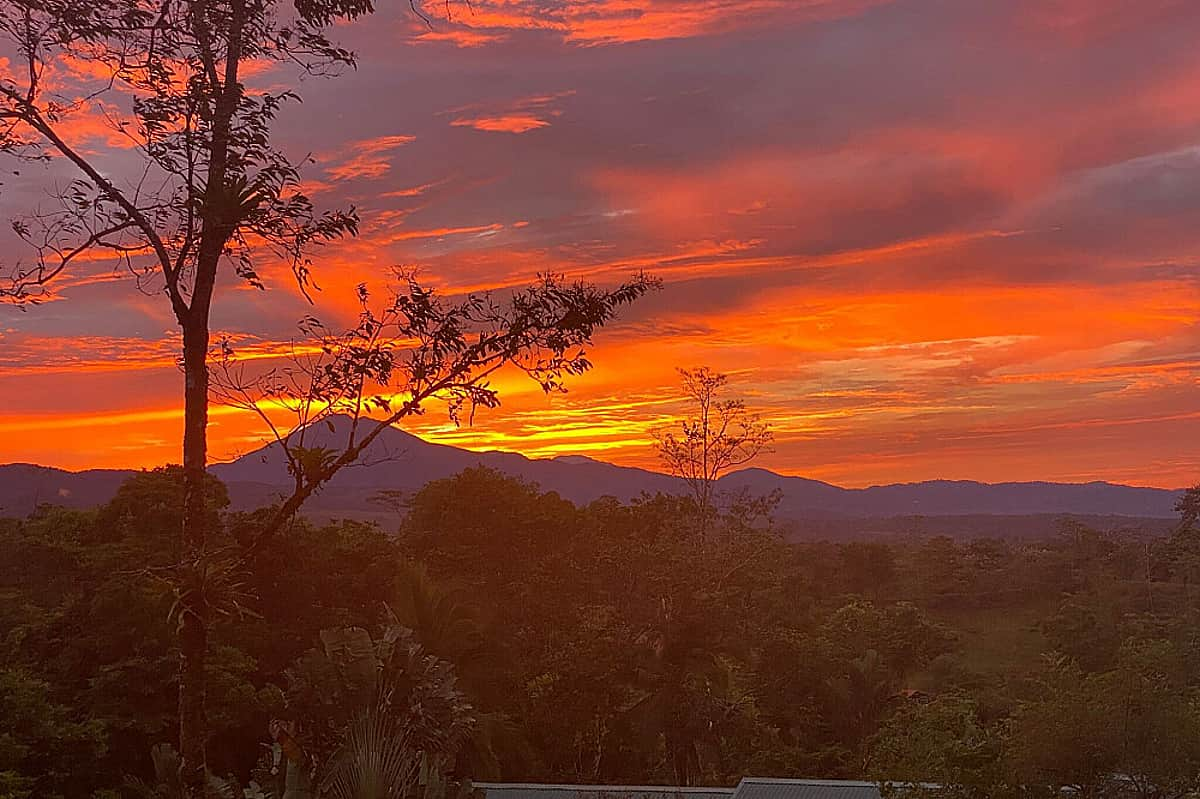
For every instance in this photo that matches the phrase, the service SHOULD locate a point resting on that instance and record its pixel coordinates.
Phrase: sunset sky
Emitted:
(925, 238)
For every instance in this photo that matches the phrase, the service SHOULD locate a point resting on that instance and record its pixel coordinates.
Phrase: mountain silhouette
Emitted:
(398, 460)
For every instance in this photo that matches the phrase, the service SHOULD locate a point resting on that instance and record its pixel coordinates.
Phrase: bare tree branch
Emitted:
(417, 349)
(722, 435)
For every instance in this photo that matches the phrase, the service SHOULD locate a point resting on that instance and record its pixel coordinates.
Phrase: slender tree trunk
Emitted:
(218, 224)
(193, 630)
(681, 758)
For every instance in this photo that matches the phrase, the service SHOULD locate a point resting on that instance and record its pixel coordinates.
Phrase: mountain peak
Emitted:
(757, 474)
(574, 459)
(398, 459)
(340, 424)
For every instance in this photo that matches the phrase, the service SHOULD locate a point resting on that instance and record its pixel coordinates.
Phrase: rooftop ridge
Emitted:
(793, 781)
(543, 786)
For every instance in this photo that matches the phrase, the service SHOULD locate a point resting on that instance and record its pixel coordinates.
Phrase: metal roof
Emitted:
(763, 788)
(748, 788)
(509, 790)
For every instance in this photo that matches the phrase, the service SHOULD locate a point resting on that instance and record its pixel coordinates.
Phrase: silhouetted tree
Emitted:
(719, 435)
(212, 193)
(418, 348)
(1188, 507)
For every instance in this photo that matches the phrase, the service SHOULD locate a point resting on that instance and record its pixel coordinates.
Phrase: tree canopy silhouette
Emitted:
(210, 193)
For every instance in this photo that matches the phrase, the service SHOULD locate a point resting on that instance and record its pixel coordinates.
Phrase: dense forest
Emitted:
(526, 638)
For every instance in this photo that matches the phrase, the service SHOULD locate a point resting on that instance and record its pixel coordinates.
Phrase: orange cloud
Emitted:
(520, 116)
(436, 233)
(26, 355)
(933, 259)
(459, 37)
(860, 386)
(368, 158)
(609, 22)
(510, 123)
(411, 191)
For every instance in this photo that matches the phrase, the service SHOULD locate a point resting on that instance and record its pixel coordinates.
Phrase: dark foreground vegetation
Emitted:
(524, 638)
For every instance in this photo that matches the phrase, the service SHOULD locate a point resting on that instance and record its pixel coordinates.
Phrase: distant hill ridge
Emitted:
(401, 460)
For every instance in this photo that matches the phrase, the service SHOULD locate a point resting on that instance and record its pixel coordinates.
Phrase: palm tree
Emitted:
(685, 686)
(375, 761)
(446, 625)
(857, 699)
(374, 712)
(440, 618)
(167, 783)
